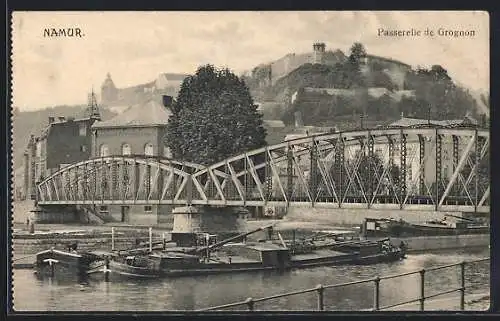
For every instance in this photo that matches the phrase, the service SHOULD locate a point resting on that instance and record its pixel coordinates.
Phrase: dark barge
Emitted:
(391, 227)
(73, 262)
(233, 256)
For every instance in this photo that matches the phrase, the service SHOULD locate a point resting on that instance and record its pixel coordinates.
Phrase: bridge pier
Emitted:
(144, 214)
(189, 220)
(54, 214)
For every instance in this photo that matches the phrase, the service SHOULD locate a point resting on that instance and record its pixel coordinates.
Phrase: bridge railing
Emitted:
(250, 303)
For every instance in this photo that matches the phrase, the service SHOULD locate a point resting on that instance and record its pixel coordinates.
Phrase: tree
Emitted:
(383, 181)
(374, 169)
(381, 108)
(213, 118)
(435, 89)
(357, 52)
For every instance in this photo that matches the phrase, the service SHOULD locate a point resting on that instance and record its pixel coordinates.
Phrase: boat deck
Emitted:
(318, 254)
(224, 259)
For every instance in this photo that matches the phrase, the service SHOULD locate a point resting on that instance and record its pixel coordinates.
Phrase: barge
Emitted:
(432, 235)
(234, 256)
(56, 261)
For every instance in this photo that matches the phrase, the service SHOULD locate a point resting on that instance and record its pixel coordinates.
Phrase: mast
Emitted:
(221, 243)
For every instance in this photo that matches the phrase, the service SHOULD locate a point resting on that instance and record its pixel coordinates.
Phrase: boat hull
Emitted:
(112, 269)
(55, 261)
(394, 228)
(303, 263)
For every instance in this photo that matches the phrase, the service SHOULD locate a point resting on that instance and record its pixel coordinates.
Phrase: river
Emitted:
(33, 293)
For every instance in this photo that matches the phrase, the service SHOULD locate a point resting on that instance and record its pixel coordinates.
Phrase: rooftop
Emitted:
(409, 122)
(174, 76)
(148, 114)
(44, 132)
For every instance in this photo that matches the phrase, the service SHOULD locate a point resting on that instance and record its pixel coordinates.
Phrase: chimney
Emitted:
(51, 119)
(298, 119)
(167, 101)
(62, 118)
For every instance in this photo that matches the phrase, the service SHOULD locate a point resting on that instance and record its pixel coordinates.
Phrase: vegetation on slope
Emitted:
(435, 94)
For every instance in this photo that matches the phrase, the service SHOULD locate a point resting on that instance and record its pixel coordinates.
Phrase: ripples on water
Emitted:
(33, 293)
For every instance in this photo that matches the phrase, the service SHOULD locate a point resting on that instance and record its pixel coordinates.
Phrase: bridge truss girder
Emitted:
(410, 168)
(119, 180)
(395, 168)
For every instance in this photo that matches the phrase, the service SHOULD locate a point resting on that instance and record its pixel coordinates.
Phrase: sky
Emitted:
(134, 47)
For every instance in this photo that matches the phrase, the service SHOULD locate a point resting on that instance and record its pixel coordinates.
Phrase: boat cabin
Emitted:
(267, 253)
(174, 260)
(373, 227)
(193, 239)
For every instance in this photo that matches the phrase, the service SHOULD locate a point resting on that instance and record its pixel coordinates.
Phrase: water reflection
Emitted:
(37, 292)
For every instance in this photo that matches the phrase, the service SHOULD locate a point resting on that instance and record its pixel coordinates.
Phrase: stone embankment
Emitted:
(25, 245)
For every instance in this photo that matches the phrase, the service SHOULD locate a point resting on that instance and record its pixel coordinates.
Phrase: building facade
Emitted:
(62, 142)
(140, 131)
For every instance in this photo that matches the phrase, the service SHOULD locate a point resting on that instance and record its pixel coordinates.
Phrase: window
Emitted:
(83, 129)
(38, 149)
(148, 209)
(104, 150)
(166, 152)
(409, 172)
(126, 150)
(445, 171)
(148, 149)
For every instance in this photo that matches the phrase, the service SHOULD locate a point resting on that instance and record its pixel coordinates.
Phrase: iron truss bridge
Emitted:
(443, 169)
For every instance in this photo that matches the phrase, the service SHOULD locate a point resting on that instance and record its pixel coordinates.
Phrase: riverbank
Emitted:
(61, 236)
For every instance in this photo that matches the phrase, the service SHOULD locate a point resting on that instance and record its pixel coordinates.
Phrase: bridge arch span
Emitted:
(134, 179)
(428, 168)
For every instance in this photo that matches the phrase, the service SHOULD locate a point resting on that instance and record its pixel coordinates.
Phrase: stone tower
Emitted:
(318, 52)
(109, 92)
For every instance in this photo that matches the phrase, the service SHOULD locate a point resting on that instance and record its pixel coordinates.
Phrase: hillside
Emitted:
(379, 88)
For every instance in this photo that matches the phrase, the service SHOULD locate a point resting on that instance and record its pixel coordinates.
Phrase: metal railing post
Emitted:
(250, 304)
(422, 289)
(321, 290)
(376, 294)
(112, 238)
(462, 286)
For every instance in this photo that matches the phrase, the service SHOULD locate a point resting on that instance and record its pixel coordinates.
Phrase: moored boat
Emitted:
(53, 261)
(391, 227)
(233, 256)
(455, 233)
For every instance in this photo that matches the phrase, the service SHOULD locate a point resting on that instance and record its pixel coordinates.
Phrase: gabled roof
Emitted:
(173, 76)
(44, 131)
(149, 114)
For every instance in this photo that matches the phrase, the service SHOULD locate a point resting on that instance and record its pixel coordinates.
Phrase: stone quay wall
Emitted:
(355, 217)
(24, 244)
